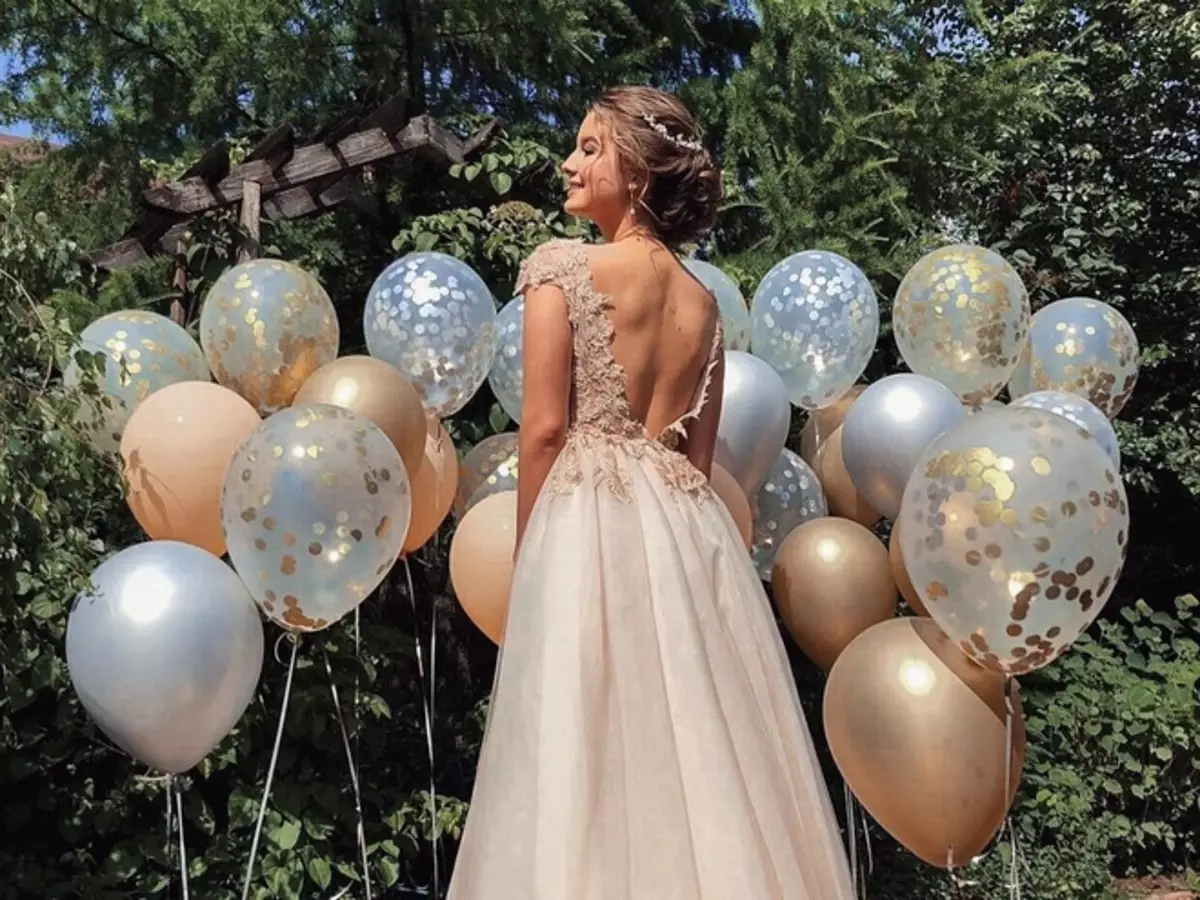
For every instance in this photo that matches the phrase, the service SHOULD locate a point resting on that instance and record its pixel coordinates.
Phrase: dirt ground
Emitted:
(1157, 888)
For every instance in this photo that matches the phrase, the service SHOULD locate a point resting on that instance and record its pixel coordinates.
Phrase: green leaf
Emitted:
(501, 182)
(285, 835)
(389, 870)
(320, 872)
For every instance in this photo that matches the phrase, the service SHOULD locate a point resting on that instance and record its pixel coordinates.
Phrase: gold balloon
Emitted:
(900, 574)
(843, 497)
(726, 487)
(824, 422)
(177, 447)
(831, 582)
(376, 390)
(918, 732)
(433, 486)
(481, 561)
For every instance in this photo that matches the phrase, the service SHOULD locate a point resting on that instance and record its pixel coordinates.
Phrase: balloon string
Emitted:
(183, 863)
(427, 707)
(170, 845)
(1014, 871)
(870, 853)
(360, 827)
(851, 837)
(262, 806)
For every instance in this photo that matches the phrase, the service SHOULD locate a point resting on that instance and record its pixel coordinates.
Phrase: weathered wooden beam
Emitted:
(249, 220)
(194, 195)
(391, 115)
(309, 199)
(213, 165)
(123, 253)
(277, 148)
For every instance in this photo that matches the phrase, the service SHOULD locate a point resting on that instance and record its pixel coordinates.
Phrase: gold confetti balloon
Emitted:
(1083, 347)
(961, 316)
(143, 352)
(489, 467)
(266, 326)
(1014, 529)
(315, 509)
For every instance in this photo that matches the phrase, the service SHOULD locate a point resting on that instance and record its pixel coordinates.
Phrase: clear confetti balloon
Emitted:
(490, 466)
(315, 508)
(1081, 346)
(143, 352)
(735, 317)
(1014, 530)
(507, 377)
(815, 319)
(961, 317)
(266, 326)
(433, 318)
(790, 496)
(1075, 409)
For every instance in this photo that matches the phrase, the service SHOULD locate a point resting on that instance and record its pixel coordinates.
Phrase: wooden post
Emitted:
(251, 213)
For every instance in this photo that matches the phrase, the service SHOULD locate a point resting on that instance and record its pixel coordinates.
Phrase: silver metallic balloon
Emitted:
(886, 431)
(755, 418)
(735, 317)
(1082, 346)
(315, 509)
(790, 497)
(165, 652)
(487, 468)
(507, 378)
(815, 319)
(433, 318)
(266, 326)
(1078, 410)
(143, 352)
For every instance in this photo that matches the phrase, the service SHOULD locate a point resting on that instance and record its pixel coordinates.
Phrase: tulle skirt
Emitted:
(645, 740)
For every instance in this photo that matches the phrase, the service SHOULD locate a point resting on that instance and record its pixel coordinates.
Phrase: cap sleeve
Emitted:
(553, 262)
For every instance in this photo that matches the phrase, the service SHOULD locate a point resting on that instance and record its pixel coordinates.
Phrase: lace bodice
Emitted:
(601, 418)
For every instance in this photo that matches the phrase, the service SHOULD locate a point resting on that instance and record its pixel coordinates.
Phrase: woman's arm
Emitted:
(545, 407)
(702, 430)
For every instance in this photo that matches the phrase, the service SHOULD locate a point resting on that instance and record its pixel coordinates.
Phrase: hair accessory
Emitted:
(677, 140)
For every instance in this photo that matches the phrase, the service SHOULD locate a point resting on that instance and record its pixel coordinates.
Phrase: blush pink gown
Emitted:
(645, 740)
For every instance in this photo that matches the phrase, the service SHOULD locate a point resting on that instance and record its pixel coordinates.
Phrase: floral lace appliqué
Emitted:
(602, 423)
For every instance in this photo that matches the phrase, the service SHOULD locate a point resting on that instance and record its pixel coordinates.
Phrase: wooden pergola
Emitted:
(283, 179)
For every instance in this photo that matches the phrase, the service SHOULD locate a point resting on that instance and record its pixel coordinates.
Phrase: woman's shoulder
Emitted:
(551, 261)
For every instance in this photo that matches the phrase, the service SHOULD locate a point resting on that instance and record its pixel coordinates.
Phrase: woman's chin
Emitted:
(574, 206)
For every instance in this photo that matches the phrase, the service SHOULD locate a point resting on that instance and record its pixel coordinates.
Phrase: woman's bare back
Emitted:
(663, 322)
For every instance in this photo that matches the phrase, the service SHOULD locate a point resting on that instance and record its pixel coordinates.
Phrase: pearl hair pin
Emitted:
(677, 140)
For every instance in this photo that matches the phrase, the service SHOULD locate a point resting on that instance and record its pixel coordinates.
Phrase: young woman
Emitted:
(645, 740)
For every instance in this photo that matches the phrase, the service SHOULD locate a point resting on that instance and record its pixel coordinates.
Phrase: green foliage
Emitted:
(1121, 707)
(79, 817)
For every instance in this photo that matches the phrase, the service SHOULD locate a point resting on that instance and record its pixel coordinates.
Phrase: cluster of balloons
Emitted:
(314, 474)
(1009, 523)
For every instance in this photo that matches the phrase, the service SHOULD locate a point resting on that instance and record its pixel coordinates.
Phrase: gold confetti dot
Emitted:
(288, 565)
(1040, 465)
